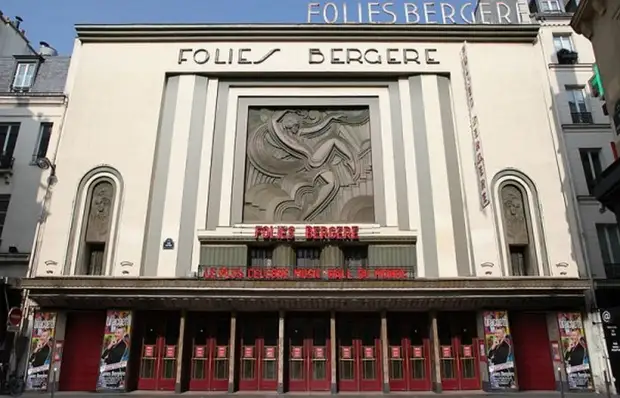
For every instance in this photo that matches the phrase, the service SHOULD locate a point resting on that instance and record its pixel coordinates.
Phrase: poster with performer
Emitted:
(575, 350)
(115, 351)
(500, 353)
(41, 349)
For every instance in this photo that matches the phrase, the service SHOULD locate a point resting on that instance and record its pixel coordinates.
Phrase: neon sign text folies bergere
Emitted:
(498, 12)
(338, 232)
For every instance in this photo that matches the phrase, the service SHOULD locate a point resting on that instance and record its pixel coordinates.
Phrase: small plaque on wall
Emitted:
(168, 244)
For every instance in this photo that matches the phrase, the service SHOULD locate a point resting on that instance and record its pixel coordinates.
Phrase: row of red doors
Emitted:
(307, 354)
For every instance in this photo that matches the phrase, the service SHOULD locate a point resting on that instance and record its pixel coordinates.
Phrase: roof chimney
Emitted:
(18, 21)
(46, 50)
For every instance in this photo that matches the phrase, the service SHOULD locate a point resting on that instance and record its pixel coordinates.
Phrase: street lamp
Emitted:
(44, 164)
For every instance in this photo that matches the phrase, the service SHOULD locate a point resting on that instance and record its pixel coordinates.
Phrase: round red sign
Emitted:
(15, 316)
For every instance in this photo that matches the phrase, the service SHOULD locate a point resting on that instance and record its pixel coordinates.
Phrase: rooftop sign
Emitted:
(414, 12)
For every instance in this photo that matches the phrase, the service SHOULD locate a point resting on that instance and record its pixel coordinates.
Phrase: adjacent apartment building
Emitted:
(599, 21)
(32, 105)
(324, 208)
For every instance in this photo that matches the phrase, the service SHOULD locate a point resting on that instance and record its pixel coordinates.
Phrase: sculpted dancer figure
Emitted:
(287, 128)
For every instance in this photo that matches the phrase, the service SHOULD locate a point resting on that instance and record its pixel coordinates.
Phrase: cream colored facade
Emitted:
(128, 79)
(161, 113)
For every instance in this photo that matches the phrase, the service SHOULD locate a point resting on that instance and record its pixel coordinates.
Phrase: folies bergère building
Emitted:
(310, 208)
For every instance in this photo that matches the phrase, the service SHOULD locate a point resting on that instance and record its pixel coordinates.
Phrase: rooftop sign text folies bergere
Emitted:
(414, 12)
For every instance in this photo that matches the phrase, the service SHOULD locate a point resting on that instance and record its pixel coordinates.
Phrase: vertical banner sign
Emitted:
(479, 164)
(575, 349)
(41, 348)
(115, 351)
(500, 354)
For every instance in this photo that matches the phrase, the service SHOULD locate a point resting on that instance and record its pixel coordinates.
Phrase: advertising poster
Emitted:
(41, 348)
(115, 351)
(500, 353)
(575, 350)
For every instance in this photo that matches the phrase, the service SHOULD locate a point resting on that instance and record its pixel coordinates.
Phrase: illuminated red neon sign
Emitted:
(337, 232)
(287, 273)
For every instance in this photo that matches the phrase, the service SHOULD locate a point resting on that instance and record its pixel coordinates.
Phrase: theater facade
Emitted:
(310, 208)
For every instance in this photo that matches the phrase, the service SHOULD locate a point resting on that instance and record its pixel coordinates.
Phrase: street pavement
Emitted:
(157, 394)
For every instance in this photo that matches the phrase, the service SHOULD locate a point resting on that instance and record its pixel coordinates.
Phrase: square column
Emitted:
(232, 341)
(179, 379)
(384, 353)
(280, 388)
(333, 341)
(436, 360)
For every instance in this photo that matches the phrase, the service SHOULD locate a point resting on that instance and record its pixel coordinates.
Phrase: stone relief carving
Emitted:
(98, 224)
(308, 165)
(515, 217)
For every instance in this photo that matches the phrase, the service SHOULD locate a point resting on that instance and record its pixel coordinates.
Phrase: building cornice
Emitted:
(583, 18)
(32, 99)
(306, 32)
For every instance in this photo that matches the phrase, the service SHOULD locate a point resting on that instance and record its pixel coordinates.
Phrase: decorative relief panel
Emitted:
(308, 165)
(98, 224)
(515, 218)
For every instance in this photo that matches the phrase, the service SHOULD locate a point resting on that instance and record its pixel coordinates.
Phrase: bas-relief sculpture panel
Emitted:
(308, 165)
(515, 217)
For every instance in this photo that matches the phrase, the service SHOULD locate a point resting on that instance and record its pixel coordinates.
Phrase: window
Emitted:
(518, 260)
(308, 257)
(563, 41)
(591, 162)
(609, 242)
(355, 256)
(260, 256)
(4, 207)
(24, 76)
(550, 6)
(578, 106)
(45, 132)
(8, 139)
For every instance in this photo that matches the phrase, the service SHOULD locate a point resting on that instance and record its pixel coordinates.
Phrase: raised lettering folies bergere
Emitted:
(308, 165)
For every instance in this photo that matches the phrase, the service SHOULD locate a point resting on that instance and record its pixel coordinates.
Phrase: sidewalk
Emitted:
(460, 394)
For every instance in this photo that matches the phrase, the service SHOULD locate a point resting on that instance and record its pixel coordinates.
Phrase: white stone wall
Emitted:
(118, 126)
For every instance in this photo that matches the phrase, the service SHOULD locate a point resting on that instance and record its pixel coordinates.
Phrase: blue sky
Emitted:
(53, 21)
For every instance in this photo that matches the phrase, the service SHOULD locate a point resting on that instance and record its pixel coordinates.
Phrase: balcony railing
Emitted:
(581, 117)
(612, 270)
(307, 274)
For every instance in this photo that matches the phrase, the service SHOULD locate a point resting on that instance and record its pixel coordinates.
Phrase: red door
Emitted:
(81, 355)
(458, 351)
(530, 341)
(210, 335)
(258, 353)
(359, 353)
(309, 353)
(158, 357)
(409, 352)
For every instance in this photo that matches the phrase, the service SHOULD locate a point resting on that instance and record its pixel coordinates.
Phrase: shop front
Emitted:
(315, 339)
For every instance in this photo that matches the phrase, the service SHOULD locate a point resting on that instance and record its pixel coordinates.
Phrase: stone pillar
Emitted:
(180, 348)
(232, 343)
(435, 351)
(283, 256)
(333, 354)
(384, 353)
(332, 257)
(281, 353)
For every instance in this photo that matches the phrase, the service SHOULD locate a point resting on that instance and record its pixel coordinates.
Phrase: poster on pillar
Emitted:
(500, 352)
(41, 348)
(575, 350)
(115, 351)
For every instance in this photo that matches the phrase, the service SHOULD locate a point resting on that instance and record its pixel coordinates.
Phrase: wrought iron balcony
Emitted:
(306, 273)
(581, 117)
(6, 162)
(567, 57)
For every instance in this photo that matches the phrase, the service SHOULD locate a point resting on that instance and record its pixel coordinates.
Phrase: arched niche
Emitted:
(519, 225)
(95, 223)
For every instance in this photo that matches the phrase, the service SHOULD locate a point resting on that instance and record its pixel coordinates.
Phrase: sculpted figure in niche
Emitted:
(515, 216)
(308, 165)
(98, 222)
